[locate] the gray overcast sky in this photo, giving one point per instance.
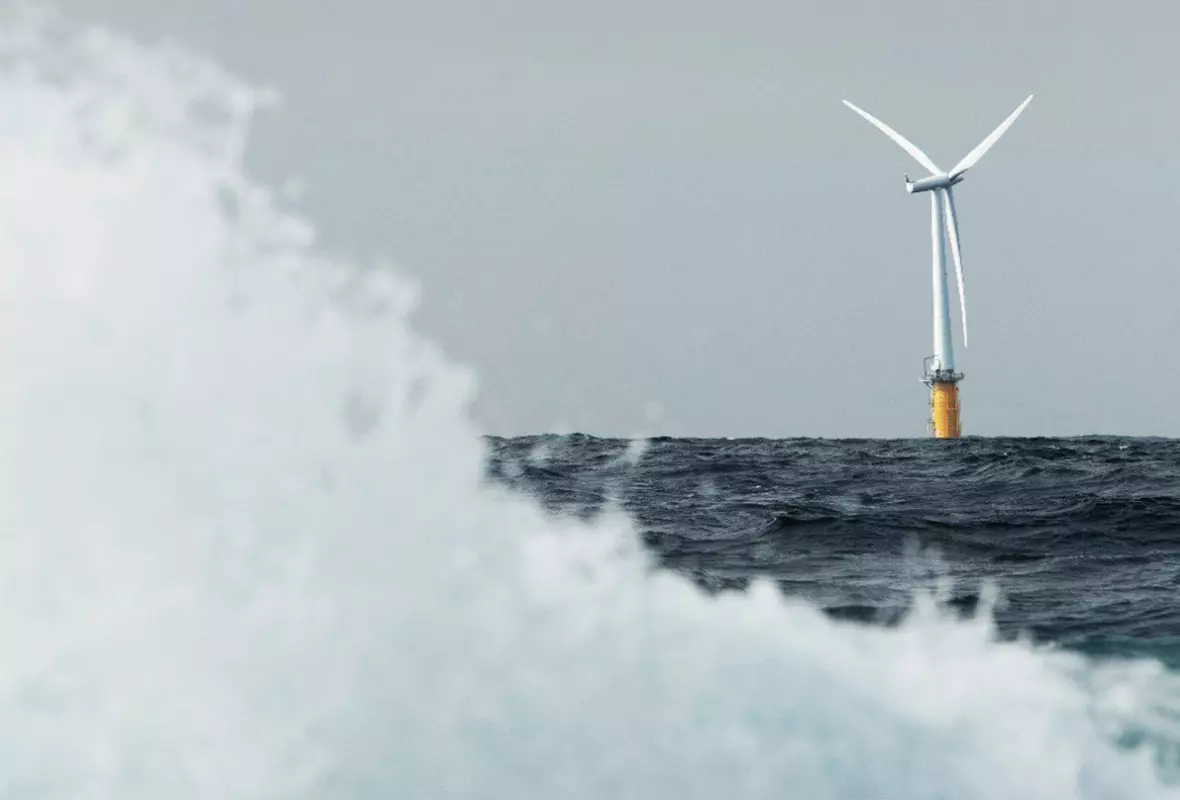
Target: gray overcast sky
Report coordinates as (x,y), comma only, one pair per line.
(619,207)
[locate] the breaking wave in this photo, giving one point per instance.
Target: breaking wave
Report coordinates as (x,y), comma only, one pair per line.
(248,550)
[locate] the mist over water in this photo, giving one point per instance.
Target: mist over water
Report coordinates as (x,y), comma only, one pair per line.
(248,551)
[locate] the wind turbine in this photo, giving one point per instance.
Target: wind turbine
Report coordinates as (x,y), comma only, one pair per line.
(940,373)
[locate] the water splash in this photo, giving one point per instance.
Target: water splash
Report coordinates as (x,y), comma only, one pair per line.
(247,552)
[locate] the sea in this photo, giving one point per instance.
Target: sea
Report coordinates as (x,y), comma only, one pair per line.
(1071,543)
(253,545)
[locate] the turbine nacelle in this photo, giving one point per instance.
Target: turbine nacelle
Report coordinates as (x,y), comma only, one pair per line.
(931,183)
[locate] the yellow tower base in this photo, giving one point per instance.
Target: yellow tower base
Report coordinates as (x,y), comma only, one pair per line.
(944,409)
(944,399)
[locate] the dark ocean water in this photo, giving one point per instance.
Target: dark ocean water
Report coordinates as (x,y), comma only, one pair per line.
(1081,537)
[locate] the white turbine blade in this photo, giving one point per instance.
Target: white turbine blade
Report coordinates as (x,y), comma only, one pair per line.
(905,143)
(952,230)
(972,158)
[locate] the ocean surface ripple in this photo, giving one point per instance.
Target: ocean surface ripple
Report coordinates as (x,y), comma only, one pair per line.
(1081,536)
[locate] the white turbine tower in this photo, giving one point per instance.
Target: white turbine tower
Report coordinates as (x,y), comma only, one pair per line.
(944,225)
